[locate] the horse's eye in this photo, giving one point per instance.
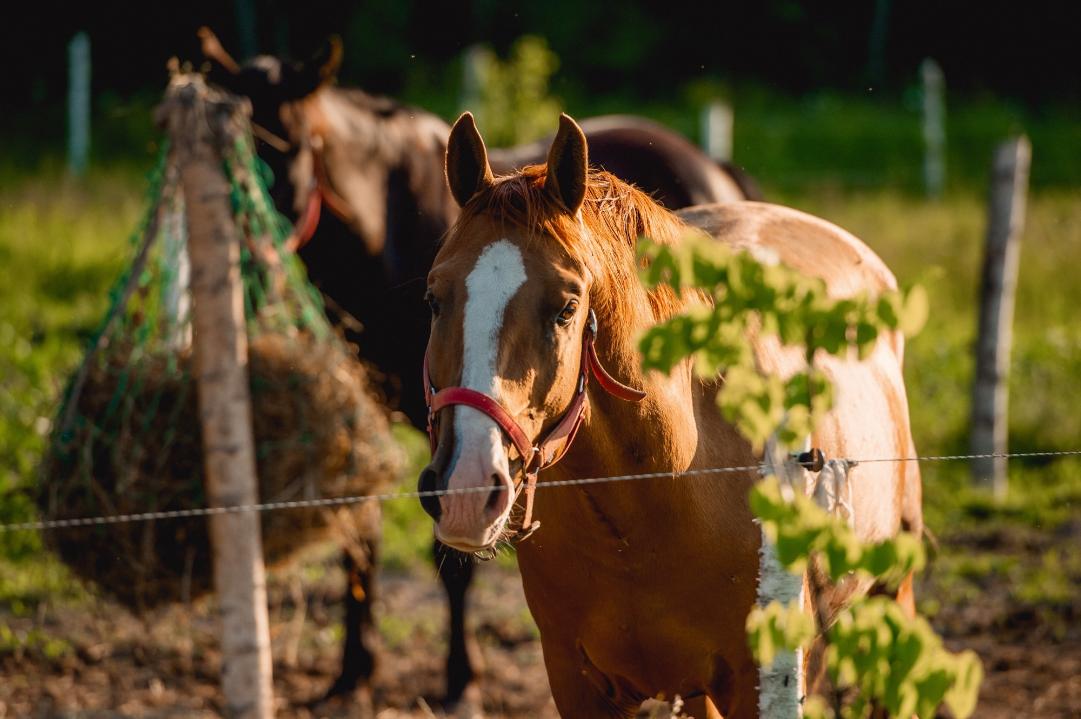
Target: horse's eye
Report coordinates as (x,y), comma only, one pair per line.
(433,303)
(567,313)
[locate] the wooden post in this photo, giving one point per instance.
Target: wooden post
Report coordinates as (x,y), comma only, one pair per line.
(78,103)
(717,131)
(1005,222)
(201,121)
(934,127)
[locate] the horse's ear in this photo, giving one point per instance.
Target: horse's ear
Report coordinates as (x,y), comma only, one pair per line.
(222,69)
(568,164)
(322,69)
(329,60)
(468,171)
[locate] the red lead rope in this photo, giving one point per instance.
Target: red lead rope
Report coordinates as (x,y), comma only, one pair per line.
(555,444)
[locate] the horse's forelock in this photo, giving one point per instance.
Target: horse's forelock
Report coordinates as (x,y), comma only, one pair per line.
(602,236)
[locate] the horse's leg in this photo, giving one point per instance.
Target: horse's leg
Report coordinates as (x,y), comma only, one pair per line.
(733,689)
(463,658)
(361,566)
(581,690)
(906,596)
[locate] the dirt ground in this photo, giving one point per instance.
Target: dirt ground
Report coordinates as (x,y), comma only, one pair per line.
(114,664)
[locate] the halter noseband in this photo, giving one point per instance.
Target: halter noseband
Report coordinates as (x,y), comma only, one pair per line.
(555,444)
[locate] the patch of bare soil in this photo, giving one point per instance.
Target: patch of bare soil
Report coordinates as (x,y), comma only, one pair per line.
(1021,616)
(166,664)
(110,663)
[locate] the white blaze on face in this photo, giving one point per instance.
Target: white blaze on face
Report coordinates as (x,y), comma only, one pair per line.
(491,284)
(478,440)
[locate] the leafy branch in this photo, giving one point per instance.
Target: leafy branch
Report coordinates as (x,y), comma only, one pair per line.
(885,657)
(749,297)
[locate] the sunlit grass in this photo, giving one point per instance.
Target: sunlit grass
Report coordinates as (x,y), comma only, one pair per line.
(62,243)
(940,245)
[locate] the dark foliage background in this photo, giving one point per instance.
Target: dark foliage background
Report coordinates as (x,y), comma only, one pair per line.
(1027,51)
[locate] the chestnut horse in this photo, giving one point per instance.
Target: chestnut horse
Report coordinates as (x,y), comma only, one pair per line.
(372,169)
(640,589)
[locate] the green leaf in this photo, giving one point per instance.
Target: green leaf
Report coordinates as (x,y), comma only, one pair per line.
(964,694)
(917,308)
(777,627)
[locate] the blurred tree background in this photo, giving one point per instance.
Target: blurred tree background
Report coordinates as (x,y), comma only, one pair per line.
(814,83)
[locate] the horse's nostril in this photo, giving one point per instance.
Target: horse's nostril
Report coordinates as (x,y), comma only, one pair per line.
(429,482)
(497,492)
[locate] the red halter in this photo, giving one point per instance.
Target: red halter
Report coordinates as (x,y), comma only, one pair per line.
(320,192)
(558,440)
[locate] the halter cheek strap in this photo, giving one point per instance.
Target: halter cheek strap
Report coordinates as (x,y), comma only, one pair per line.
(556,442)
(320,192)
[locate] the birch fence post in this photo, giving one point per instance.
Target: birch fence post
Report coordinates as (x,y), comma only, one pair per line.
(78,103)
(716,129)
(934,127)
(201,122)
(990,399)
(475,63)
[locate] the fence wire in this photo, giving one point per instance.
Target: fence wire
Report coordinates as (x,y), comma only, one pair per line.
(553,484)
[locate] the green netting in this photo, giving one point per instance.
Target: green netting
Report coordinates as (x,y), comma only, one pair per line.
(127,437)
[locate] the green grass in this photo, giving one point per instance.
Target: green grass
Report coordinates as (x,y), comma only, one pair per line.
(940,244)
(62,243)
(407,530)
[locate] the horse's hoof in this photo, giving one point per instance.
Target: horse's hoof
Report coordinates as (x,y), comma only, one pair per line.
(343,700)
(470,704)
(342,685)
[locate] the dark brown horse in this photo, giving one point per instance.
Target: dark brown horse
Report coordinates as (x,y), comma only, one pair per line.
(363,177)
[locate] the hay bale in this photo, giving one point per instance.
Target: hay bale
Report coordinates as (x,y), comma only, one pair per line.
(136,447)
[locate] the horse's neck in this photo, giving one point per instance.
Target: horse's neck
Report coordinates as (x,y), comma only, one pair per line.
(677,425)
(622,437)
(387,164)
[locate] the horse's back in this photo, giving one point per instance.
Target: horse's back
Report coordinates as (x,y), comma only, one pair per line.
(648,155)
(870,414)
(653,157)
(808,244)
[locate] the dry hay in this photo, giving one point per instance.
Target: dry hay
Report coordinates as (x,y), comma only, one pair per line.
(136,447)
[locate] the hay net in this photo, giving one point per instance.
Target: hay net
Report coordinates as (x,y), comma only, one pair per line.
(126,437)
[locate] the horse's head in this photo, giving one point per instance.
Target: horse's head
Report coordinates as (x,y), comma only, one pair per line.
(275,88)
(511,292)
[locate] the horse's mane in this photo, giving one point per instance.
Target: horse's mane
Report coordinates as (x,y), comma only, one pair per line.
(602,237)
(379,132)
